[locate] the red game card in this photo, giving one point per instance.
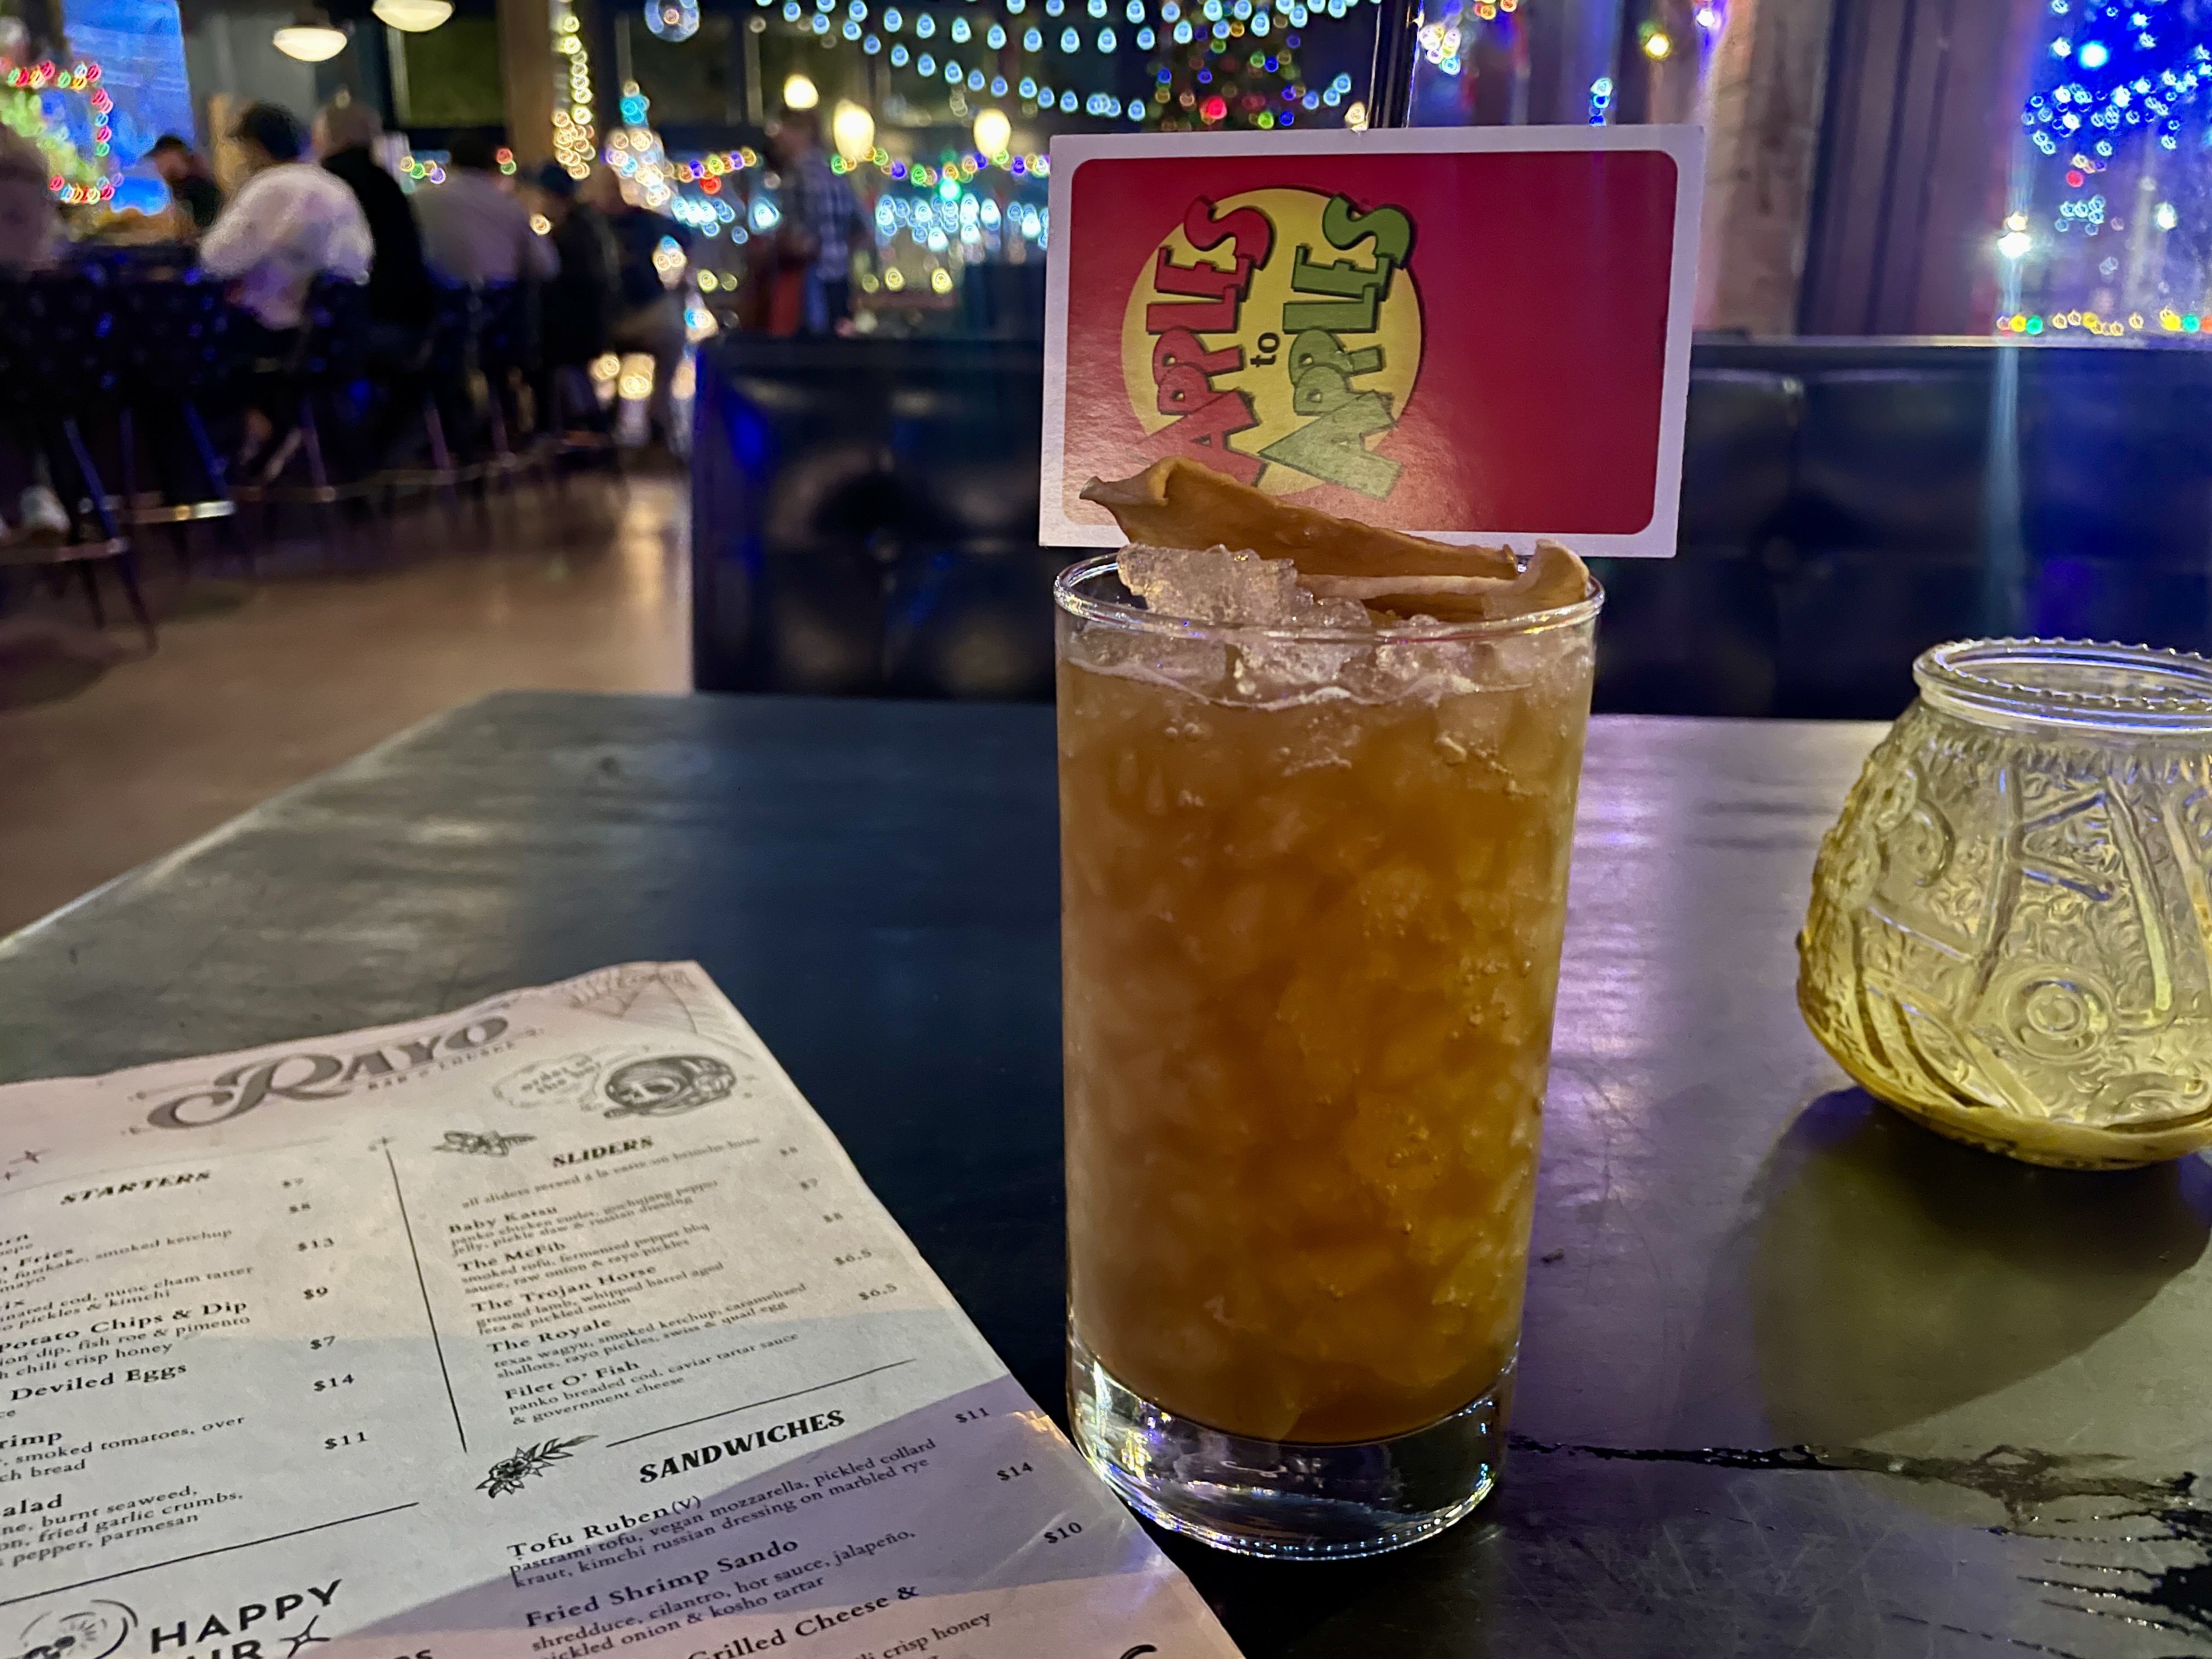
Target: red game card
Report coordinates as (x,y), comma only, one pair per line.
(1476,335)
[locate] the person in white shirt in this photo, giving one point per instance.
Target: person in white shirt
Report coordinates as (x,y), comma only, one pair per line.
(290,222)
(475,229)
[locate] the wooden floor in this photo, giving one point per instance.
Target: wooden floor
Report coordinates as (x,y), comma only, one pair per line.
(109,756)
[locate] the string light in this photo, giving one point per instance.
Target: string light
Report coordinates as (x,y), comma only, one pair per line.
(1249,46)
(2118,89)
(575,137)
(38,77)
(1439,43)
(672,20)
(78,179)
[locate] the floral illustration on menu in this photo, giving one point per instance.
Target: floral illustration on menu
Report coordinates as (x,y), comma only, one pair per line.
(489,1144)
(509,1472)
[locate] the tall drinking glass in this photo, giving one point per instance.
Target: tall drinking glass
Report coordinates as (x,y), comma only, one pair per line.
(1313,885)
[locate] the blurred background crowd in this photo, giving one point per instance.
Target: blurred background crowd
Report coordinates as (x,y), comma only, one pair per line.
(698,342)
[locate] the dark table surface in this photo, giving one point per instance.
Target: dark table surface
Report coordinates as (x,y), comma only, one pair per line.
(1798,1377)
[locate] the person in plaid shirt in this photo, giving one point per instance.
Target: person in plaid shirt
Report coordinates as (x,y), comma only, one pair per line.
(822,221)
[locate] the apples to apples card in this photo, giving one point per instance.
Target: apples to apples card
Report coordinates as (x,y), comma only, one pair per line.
(1478,335)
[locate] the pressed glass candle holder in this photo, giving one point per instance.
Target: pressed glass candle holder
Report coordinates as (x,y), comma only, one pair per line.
(2010,935)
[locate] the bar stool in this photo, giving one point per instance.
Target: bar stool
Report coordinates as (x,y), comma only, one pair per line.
(574,425)
(325,382)
(507,354)
(176,350)
(56,368)
(440,378)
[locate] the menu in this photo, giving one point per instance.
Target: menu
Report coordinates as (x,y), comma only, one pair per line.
(557,1326)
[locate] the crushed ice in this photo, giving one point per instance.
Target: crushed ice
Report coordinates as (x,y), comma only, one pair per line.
(1236,589)
(1217,586)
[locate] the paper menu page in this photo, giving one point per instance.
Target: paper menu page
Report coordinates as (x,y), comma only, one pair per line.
(557,1326)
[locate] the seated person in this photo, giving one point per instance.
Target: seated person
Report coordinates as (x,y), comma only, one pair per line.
(30,225)
(475,229)
(290,222)
(400,299)
(580,302)
(193,193)
(30,228)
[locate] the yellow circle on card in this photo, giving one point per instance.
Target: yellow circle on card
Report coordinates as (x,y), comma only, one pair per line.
(1301,342)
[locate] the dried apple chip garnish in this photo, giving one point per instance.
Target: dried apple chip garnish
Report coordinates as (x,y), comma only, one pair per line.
(1176,504)
(1179,503)
(1552,577)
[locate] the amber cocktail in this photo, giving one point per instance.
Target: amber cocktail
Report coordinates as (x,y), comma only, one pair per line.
(1313,885)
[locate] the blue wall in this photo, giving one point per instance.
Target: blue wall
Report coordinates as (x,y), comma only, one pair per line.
(140,48)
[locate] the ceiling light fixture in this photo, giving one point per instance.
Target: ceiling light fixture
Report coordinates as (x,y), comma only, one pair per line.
(413,16)
(310,37)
